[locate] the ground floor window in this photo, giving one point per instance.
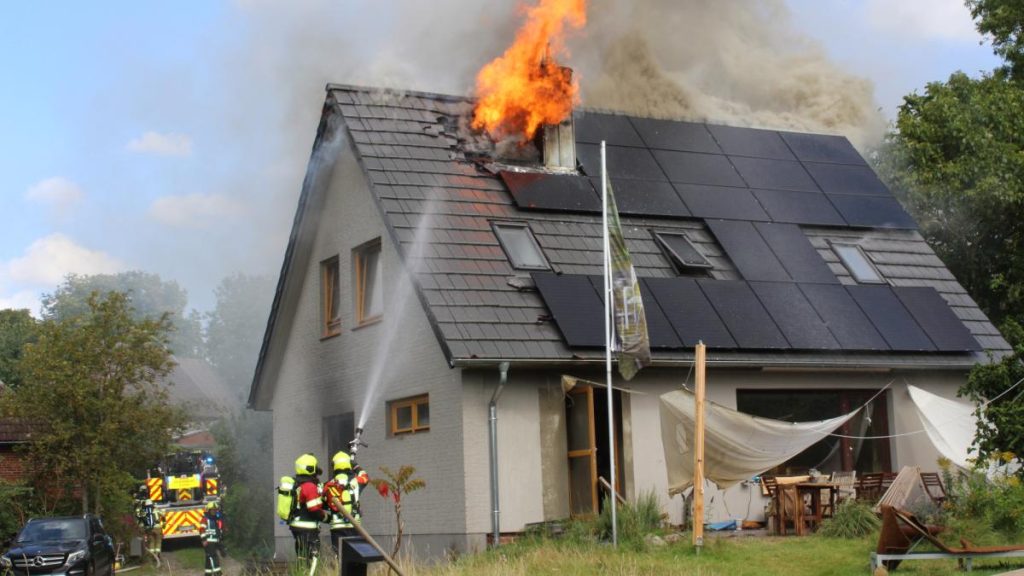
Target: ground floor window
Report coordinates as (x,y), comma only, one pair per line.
(849,449)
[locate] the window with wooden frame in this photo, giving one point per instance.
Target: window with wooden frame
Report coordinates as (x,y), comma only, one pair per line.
(409,415)
(330,298)
(368,283)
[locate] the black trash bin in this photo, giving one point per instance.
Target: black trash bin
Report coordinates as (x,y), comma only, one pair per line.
(355,554)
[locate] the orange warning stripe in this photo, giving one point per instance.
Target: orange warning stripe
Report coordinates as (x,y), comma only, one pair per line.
(175,519)
(156,489)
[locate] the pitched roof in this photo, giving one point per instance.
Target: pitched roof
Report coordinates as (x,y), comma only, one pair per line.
(691,178)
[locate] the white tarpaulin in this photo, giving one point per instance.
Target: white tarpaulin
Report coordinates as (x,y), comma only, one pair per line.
(737,446)
(950,424)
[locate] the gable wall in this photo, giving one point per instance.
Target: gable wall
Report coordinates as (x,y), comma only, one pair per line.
(325,377)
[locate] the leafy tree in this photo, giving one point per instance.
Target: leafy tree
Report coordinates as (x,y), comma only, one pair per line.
(1003,22)
(150,297)
(956,159)
(235,328)
(92,386)
(17,328)
(242,439)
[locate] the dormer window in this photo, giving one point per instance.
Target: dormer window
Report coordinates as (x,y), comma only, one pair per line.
(857,262)
(520,246)
(685,257)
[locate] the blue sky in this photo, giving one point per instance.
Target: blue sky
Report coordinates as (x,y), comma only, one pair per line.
(171,136)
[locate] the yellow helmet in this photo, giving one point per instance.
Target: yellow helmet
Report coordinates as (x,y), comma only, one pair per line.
(306,464)
(212,505)
(341,462)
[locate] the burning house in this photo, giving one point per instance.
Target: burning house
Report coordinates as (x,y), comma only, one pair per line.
(442,277)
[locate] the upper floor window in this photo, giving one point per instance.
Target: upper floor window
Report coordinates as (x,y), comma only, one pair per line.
(682,253)
(330,298)
(368,283)
(520,246)
(856,261)
(409,415)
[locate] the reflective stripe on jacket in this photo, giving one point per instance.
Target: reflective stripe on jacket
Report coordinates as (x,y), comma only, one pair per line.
(342,492)
(309,505)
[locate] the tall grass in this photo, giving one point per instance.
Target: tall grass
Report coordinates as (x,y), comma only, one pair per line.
(852,519)
(635,519)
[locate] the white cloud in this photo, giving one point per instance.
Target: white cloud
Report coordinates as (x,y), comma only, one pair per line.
(29,299)
(192,210)
(58,193)
(923,19)
(170,144)
(49,259)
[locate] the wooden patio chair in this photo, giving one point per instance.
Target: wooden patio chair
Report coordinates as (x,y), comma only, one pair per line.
(845,481)
(782,510)
(887,480)
(869,487)
(913,530)
(933,487)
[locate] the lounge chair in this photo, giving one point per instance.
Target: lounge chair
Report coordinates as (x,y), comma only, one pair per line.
(902,531)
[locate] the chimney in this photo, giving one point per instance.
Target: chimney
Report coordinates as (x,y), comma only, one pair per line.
(559,145)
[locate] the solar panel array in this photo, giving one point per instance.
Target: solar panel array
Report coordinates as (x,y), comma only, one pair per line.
(686,169)
(762,315)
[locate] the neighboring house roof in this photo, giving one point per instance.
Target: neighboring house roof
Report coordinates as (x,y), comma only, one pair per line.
(724,187)
(17,430)
(195,383)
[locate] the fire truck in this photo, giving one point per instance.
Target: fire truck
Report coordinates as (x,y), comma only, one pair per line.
(181,486)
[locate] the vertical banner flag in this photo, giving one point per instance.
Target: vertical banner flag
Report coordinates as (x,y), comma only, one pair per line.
(634,348)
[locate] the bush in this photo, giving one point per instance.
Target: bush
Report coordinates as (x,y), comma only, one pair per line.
(852,519)
(983,508)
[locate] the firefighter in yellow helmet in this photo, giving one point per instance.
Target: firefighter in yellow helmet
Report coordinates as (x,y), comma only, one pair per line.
(212,533)
(342,492)
(309,510)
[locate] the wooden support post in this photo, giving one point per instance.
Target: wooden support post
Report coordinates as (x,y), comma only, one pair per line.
(698,449)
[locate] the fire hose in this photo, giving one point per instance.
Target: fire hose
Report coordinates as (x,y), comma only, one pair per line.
(366,536)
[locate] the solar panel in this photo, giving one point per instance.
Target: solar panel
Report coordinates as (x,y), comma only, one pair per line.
(576,307)
(795,252)
(659,329)
(623,162)
(563,192)
(720,202)
(751,142)
(741,311)
(680,136)
(822,148)
(774,174)
(695,168)
(689,312)
(846,179)
(794,316)
(612,128)
(872,211)
(644,197)
(799,207)
(747,250)
(844,319)
(938,320)
(891,318)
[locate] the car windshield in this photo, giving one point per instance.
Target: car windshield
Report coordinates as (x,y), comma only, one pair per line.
(53,530)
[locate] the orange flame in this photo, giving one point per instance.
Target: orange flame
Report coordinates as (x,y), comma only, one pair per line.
(525,88)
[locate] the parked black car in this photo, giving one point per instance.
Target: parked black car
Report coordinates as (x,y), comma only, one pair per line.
(62,546)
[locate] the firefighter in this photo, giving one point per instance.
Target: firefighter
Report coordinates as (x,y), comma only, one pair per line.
(342,491)
(151,521)
(212,533)
(309,510)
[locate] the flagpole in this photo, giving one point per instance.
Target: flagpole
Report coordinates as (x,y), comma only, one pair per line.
(608,338)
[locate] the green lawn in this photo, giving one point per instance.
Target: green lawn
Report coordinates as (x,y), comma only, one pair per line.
(809,556)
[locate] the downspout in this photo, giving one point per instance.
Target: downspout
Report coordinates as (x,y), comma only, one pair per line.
(492,409)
